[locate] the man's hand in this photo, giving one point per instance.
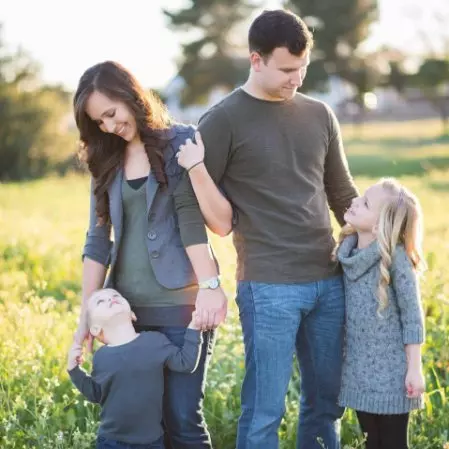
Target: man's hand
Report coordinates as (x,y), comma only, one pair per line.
(75,356)
(414,383)
(191,154)
(211,308)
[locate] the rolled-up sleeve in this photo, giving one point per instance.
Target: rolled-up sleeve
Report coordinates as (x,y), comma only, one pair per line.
(98,244)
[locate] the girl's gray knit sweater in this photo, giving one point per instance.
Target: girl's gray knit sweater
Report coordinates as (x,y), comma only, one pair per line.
(375,363)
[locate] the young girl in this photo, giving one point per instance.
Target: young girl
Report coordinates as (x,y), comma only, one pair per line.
(380,252)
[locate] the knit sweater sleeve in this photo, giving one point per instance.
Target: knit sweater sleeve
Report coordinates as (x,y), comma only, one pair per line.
(406,286)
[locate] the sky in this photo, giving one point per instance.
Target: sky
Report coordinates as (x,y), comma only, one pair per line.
(66,38)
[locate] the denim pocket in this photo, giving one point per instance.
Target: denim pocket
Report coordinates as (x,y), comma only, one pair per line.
(243,291)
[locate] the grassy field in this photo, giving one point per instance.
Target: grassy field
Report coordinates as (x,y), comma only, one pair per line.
(42,228)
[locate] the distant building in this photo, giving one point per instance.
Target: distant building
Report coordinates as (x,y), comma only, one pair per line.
(388,104)
(188,114)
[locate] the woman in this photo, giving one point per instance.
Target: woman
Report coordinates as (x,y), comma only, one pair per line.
(130,145)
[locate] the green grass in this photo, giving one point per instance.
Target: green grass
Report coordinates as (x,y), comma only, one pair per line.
(42,229)
(397,149)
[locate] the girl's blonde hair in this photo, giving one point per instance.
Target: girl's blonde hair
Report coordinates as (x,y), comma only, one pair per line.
(400,222)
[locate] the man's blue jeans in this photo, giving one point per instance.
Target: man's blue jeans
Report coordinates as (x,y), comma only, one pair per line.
(277,320)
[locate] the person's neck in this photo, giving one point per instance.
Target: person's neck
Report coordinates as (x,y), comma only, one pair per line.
(365,239)
(135,146)
(251,87)
(119,333)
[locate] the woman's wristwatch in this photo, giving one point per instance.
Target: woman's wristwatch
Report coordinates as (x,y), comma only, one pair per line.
(212,283)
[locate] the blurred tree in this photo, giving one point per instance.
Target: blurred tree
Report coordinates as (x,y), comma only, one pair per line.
(317,77)
(433,80)
(339,28)
(33,138)
(211,58)
(159,93)
(398,78)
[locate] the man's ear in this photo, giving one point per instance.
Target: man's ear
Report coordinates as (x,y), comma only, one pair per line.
(95,330)
(256,60)
(133,316)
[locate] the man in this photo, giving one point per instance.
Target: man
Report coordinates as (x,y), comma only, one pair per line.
(278,157)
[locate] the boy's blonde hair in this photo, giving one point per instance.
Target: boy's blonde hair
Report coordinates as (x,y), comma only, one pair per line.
(400,222)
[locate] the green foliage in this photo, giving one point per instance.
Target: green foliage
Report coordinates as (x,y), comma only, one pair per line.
(432,77)
(339,28)
(33,135)
(397,78)
(433,73)
(208,60)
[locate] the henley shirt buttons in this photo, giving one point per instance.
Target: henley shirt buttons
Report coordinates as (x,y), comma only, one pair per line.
(152,235)
(154,254)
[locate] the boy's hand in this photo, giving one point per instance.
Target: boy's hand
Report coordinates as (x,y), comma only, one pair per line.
(75,356)
(414,383)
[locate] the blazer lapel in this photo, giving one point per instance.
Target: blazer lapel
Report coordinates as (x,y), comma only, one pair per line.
(152,186)
(115,204)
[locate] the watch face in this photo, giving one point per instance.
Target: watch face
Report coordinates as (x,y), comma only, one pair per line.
(214,283)
(210,283)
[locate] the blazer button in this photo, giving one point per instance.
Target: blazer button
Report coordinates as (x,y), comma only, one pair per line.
(154,254)
(152,235)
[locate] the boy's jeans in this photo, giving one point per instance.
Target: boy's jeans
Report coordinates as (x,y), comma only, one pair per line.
(277,320)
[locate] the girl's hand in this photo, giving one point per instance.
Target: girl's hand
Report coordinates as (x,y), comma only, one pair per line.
(191,154)
(75,356)
(414,383)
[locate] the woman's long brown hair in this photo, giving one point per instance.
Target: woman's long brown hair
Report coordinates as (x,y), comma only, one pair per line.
(104,152)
